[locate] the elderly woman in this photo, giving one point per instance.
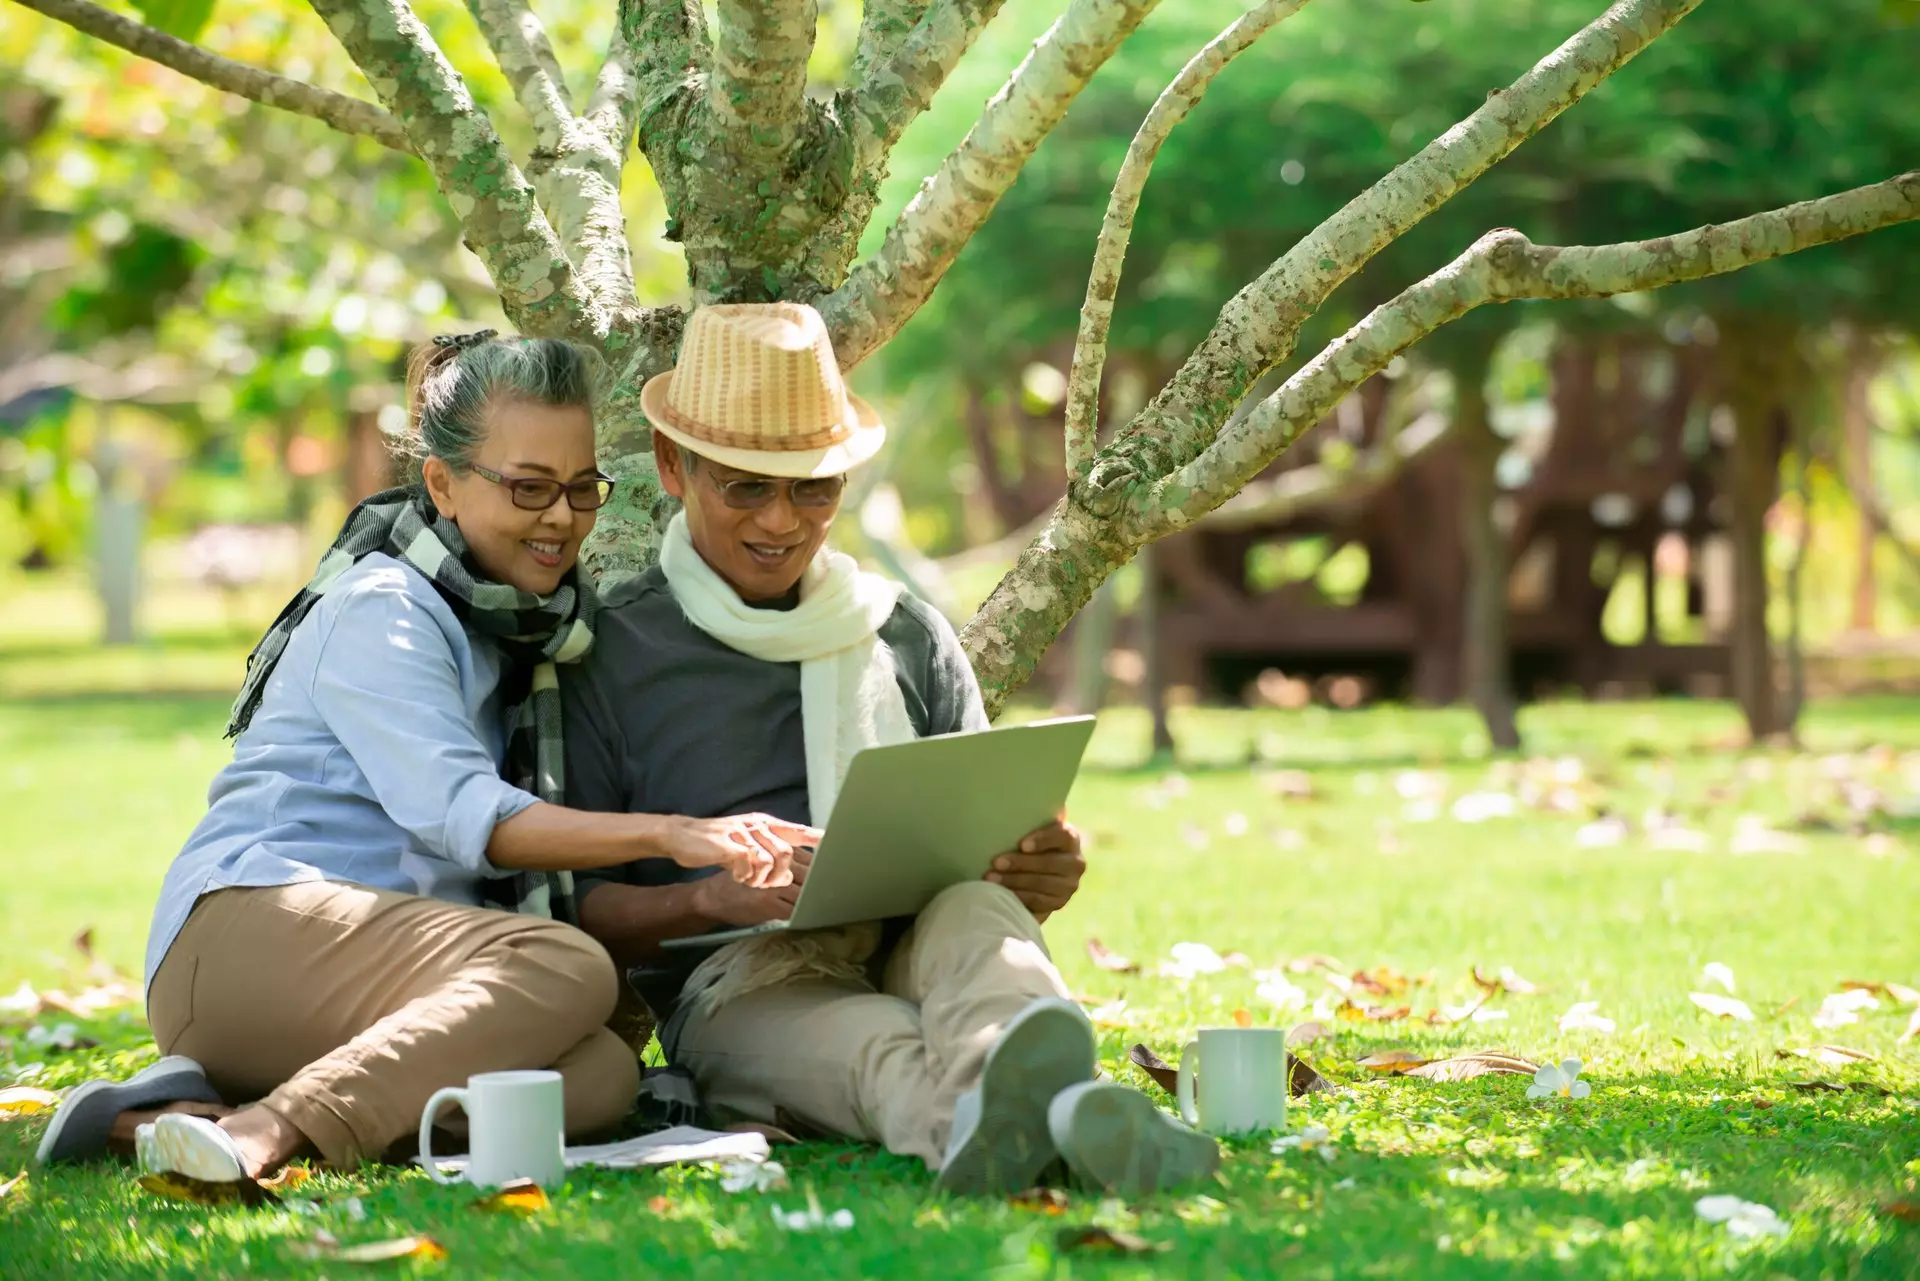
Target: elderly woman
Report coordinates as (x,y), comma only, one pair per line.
(322,945)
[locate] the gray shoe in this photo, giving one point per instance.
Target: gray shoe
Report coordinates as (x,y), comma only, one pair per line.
(1000,1142)
(84,1119)
(1114,1139)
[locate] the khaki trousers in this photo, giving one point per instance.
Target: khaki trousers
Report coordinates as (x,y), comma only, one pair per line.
(886,1065)
(344,1008)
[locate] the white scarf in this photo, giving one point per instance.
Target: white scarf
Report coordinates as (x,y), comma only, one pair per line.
(850,699)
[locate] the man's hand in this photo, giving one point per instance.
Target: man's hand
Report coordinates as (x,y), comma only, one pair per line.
(1046,869)
(754,849)
(732,903)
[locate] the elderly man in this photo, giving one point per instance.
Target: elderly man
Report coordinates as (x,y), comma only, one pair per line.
(740,675)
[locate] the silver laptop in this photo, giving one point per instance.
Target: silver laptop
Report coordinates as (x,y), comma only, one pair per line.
(915,818)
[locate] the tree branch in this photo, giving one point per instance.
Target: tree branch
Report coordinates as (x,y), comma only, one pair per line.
(526,57)
(489,194)
(659,49)
(1304,490)
(757,92)
(1257,329)
(883,292)
(1110,251)
(348,115)
(884,25)
(894,90)
(1503,266)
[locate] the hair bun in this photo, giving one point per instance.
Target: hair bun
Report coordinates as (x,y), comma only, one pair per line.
(460,342)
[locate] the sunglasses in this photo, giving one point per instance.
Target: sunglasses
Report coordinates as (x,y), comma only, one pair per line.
(537,493)
(757,491)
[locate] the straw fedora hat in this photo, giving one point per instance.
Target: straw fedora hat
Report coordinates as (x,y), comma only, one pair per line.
(758,388)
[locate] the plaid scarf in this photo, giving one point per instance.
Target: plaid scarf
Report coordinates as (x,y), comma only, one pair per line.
(533,632)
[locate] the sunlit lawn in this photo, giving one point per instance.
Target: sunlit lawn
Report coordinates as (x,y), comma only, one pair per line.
(1429,1179)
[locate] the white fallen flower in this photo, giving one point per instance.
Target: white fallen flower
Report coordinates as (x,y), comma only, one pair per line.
(1842,1008)
(1234,824)
(1743,1218)
(1116,1012)
(1715,972)
(1412,785)
(1602,833)
(62,1036)
(812,1219)
(1278,989)
(1315,1138)
(1191,960)
(1722,1006)
(1581,1016)
(1471,1013)
(1563,1080)
(1478,807)
(753,1176)
(24,1001)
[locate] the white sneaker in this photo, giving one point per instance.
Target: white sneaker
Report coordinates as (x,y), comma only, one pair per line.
(1113,1138)
(1000,1141)
(85,1117)
(175,1143)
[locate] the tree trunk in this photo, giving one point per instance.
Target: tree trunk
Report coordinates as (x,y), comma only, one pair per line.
(1152,653)
(1796,696)
(1857,448)
(1485,657)
(1753,476)
(1093,632)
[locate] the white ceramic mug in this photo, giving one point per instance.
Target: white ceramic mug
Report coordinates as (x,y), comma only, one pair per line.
(1243,1080)
(516,1129)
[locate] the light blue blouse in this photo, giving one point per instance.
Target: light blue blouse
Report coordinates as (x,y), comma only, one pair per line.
(374,758)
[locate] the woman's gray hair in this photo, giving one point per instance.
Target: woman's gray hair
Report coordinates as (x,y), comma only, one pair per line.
(452,384)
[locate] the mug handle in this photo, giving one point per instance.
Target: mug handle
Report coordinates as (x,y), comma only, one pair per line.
(451,1093)
(1183,1084)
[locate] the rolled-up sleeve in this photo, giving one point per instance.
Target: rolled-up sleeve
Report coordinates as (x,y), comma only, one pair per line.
(387,685)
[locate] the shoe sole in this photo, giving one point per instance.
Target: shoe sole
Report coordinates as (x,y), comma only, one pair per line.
(1043,1051)
(1116,1140)
(84,1119)
(183,1145)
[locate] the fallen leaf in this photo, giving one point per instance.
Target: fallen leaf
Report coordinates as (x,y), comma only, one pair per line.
(1243,1018)
(1104,1240)
(1314,961)
(1725,1007)
(1041,1200)
(83,942)
(1896,992)
(522,1196)
(1913,1028)
(1834,1087)
(1372,1013)
(1160,1071)
(12,1185)
(1307,1033)
(1906,1210)
(1294,784)
(1381,980)
(1112,961)
(1390,1062)
(290,1176)
(771,1133)
(1302,1079)
(1762,1104)
(1506,981)
(659,1204)
(324,1245)
(178,1187)
(1465,1067)
(1831,1055)
(25,1100)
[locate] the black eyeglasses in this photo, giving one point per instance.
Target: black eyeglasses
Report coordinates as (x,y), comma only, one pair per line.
(537,493)
(757,491)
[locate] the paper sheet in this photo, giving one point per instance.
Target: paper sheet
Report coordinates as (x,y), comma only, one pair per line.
(682,1143)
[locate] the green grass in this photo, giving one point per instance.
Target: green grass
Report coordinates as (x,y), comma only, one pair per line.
(1430,1179)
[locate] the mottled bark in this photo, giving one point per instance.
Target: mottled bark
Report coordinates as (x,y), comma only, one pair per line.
(1485,655)
(882,293)
(1173,105)
(492,198)
(1257,329)
(348,115)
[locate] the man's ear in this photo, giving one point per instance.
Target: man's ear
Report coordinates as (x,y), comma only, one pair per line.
(666,461)
(439,479)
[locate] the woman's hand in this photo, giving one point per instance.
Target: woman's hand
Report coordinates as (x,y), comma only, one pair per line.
(756,849)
